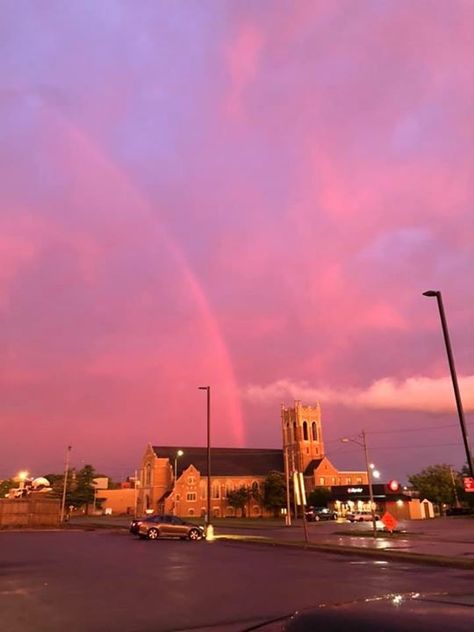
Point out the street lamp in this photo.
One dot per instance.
(437, 294)
(209, 528)
(22, 476)
(375, 473)
(368, 468)
(177, 455)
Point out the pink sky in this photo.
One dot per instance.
(251, 195)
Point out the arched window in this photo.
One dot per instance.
(295, 435)
(314, 431)
(255, 489)
(148, 474)
(305, 430)
(216, 488)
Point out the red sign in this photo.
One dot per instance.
(469, 484)
(389, 521)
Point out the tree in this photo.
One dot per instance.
(274, 492)
(6, 486)
(83, 490)
(319, 497)
(239, 498)
(435, 483)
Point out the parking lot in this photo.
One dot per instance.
(109, 580)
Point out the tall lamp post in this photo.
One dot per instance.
(209, 528)
(177, 455)
(437, 294)
(66, 472)
(363, 444)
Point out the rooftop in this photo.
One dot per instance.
(225, 461)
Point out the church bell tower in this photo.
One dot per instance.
(302, 436)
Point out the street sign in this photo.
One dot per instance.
(389, 521)
(469, 484)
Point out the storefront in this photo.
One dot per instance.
(389, 497)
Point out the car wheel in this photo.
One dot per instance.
(153, 534)
(194, 534)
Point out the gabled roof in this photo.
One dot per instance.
(225, 461)
(313, 465)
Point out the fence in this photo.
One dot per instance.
(29, 512)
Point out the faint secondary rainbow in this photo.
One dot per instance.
(129, 190)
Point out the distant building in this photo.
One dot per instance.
(231, 468)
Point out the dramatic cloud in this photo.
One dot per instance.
(433, 395)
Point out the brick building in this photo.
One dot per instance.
(178, 484)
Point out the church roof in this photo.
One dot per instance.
(225, 461)
(313, 465)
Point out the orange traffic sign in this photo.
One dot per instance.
(389, 521)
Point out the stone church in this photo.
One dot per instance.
(173, 478)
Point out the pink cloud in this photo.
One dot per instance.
(415, 394)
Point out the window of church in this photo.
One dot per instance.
(321, 480)
(216, 489)
(190, 512)
(314, 431)
(148, 474)
(191, 480)
(191, 497)
(305, 430)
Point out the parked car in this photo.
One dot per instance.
(361, 516)
(460, 511)
(136, 522)
(156, 527)
(315, 514)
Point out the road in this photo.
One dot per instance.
(108, 580)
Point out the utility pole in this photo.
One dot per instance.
(135, 489)
(66, 472)
(287, 480)
(369, 481)
(456, 497)
(363, 444)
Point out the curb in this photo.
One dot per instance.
(400, 556)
